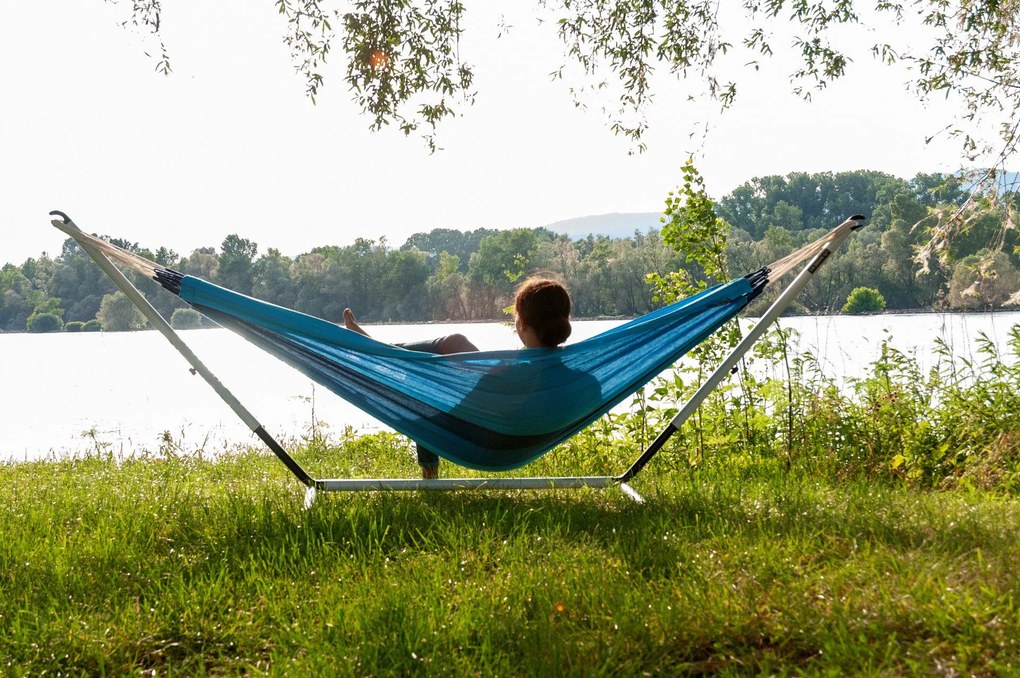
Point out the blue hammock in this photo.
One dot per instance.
(490, 410)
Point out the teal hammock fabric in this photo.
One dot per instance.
(491, 410)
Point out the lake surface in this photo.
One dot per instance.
(62, 394)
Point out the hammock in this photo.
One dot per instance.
(489, 410)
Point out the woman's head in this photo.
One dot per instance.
(542, 308)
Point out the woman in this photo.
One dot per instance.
(541, 318)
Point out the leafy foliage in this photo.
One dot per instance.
(864, 300)
(45, 322)
(953, 425)
(47, 316)
(692, 228)
(117, 313)
(983, 280)
(404, 65)
(186, 319)
(237, 255)
(445, 274)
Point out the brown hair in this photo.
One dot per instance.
(544, 306)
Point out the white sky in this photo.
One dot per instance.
(229, 143)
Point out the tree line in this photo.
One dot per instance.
(450, 275)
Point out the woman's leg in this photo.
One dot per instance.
(451, 343)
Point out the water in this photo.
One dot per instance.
(67, 393)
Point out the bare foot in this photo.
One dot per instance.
(351, 323)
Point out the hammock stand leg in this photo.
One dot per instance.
(197, 366)
(791, 292)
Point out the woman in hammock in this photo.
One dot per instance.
(542, 320)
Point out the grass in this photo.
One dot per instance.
(178, 565)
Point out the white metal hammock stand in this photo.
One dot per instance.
(99, 251)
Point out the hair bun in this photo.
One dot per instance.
(555, 330)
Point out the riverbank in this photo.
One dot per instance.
(177, 564)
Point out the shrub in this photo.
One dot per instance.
(864, 300)
(92, 326)
(44, 322)
(74, 326)
(186, 319)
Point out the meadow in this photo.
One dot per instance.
(793, 528)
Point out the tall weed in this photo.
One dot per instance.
(955, 424)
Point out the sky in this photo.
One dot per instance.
(229, 143)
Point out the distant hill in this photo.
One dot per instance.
(615, 225)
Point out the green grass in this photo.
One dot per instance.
(180, 565)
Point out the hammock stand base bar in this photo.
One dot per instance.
(314, 485)
(449, 484)
(535, 483)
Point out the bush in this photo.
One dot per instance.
(44, 322)
(92, 326)
(74, 326)
(864, 300)
(186, 319)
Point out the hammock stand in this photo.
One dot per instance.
(817, 252)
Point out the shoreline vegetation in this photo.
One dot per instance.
(791, 527)
(470, 275)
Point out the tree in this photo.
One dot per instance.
(404, 61)
(117, 314)
(801, 201)
(271, 279)
(983, 280)
(500, 262)
(347, 276)
(316, 281)
(79, 282)
(592, 285)
(186, 319)
(457, 243)
(864, 300)
(202, 263)
(403, 286)
(237, 255)
(15, 298)
(445, 290)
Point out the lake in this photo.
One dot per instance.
(63, 394)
